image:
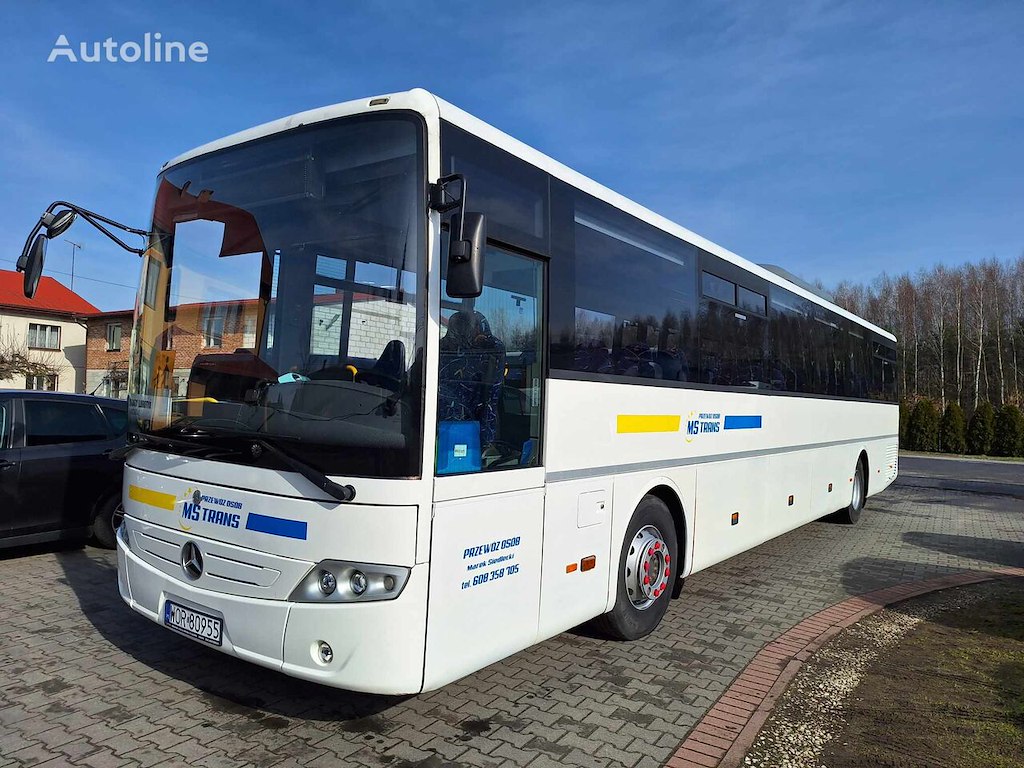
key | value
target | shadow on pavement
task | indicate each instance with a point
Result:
(868, 574)
(977, 487)
(224, 683)
(29, 550)
(999, 552)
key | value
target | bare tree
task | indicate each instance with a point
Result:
(17, 360)
(976, 298)
(960, 329)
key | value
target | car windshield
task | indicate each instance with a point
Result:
(282, 295)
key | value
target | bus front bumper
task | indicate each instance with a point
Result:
(378, 647)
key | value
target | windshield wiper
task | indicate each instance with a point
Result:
(141, 441)
(311, 473)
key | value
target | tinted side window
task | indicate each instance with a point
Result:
(732, 347)
(790, 360)
(883, 370)
(52, 422)
(634, 289)
(752, 301)
(6, 423)
(490, 370)
(716, 288)
(858, 374)
(513, 194)
(118, 420)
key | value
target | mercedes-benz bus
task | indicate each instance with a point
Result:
(408, 396)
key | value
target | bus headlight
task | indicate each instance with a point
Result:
(327, 582)
(335, 581)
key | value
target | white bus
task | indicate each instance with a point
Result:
(368, 457)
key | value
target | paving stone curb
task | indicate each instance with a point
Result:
(727, 731)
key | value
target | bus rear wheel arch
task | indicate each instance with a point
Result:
(646, 572)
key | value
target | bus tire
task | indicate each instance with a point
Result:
(858, 496)
(649, 552)
(108, 518)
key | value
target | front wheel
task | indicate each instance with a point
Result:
(858, 496)
(107, 521)
(646, 566)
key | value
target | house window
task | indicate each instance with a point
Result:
(43, 336)
(152, 277)
(41, 383)
(213, 326)
(113, 337)
(249, 332)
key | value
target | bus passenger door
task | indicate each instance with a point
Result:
(487, 526)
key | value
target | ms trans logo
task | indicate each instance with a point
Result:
(209, 509)
(712, 423)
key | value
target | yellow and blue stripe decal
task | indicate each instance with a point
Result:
(276, 526)
(638, 423)
(742, 422)
(648, 423)
(152, 498)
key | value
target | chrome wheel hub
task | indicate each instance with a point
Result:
(648, 567)
(858, 489)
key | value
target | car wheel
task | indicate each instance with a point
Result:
(107, 521)
(858, 496)
(646, 564)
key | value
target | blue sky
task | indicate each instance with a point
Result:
(839, 140)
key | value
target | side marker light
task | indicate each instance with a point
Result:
(571, 568)
(588, 563)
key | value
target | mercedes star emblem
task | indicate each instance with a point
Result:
(192, 560)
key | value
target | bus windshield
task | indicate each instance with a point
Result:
(282, 296)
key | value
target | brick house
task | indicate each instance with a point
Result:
(49, 328)
(198, 329)
(107, 341)
(221, 327)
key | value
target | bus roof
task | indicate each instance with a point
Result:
(429, 105)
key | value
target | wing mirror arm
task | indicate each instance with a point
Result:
(466, 241)
(54, 223)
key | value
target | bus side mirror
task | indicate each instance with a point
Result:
(31, 262)
(467, 238)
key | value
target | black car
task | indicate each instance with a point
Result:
(56, 480)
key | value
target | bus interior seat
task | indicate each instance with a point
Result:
(391, 362)
(472, 371)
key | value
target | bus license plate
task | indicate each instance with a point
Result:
(193, 623)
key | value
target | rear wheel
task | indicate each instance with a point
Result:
(851, 514)
(107, 521)
(646, 564)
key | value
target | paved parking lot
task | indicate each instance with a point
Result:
(83, 680)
